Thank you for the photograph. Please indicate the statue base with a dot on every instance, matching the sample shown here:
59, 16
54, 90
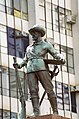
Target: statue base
51, 116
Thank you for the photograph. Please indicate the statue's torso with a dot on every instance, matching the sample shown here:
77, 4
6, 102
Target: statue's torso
35, 54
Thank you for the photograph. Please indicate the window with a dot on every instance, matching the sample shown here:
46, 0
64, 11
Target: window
5, 81
13, 84
66, 97
63, 96
0, 114
9, 7
17, 42
13, 115
68, 54
70, 60
73, 102
17, 5
6, 114
59, 95
11, 44
2, 8
2, 2
21, 44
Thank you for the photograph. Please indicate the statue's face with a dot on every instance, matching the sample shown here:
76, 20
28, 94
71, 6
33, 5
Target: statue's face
36, 35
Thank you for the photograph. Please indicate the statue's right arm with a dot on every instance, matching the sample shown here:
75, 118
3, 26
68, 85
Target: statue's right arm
24, 63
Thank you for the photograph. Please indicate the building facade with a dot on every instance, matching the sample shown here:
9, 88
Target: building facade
61, 20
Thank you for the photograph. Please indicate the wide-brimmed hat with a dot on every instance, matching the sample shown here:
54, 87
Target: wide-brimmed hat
37, 28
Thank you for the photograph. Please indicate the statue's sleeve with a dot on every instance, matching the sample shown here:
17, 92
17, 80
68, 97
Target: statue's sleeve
54, 52
24, 62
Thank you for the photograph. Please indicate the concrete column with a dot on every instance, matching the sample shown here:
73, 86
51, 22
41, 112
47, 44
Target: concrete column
75, 11
33, 13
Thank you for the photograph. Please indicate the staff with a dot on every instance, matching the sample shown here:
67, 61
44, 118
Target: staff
22, 97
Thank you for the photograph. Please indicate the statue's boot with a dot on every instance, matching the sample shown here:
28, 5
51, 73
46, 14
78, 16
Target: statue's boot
35, 103
53, 102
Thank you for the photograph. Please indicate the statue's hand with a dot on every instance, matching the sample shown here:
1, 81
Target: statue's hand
61, 57
15, 65
63, 61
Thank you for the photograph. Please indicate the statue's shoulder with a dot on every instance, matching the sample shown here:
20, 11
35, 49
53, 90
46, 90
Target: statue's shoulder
47, 43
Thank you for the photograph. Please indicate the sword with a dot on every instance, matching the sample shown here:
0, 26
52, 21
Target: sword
53, 73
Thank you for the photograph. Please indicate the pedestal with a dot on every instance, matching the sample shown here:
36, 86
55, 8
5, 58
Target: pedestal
48, 117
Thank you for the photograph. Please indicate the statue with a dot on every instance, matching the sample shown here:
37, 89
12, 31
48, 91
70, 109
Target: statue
37, 69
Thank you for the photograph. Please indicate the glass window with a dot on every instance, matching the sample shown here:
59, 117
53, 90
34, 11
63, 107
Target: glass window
42, 13
2, 8
66, 97
56, 37
63, 39
59, 95
17, 23
4, 59
68, 4
69, 26
54, 7
49, 25
9, 3
48, 15
3, 38
21, 44
12, 80
2, 28
69, 32
1, 114
10, 21
24, 6
62, 20
17, 4
70, 60
2, 2
5, 81
49, 33
73, 102
55, 18
68, 12
13, 115
11, 41
6, 115
4, 50
62, 30
9, 8
2, 18
55, 28
13, 84
61, 3
55, 2
24, 26
41, 2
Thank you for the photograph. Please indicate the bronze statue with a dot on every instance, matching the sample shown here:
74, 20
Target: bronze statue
37, 69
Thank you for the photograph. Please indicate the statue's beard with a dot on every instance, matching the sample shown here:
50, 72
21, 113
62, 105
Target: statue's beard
35, 38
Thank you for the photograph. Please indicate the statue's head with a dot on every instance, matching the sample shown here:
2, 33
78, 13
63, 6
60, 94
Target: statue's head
37, 28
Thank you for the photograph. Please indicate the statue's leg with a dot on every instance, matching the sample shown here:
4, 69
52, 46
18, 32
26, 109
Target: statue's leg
33, 87
53, 102
45, 79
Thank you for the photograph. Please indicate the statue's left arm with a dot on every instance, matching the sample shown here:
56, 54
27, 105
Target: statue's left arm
54, 53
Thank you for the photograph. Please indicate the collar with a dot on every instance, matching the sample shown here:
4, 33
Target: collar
36, 43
